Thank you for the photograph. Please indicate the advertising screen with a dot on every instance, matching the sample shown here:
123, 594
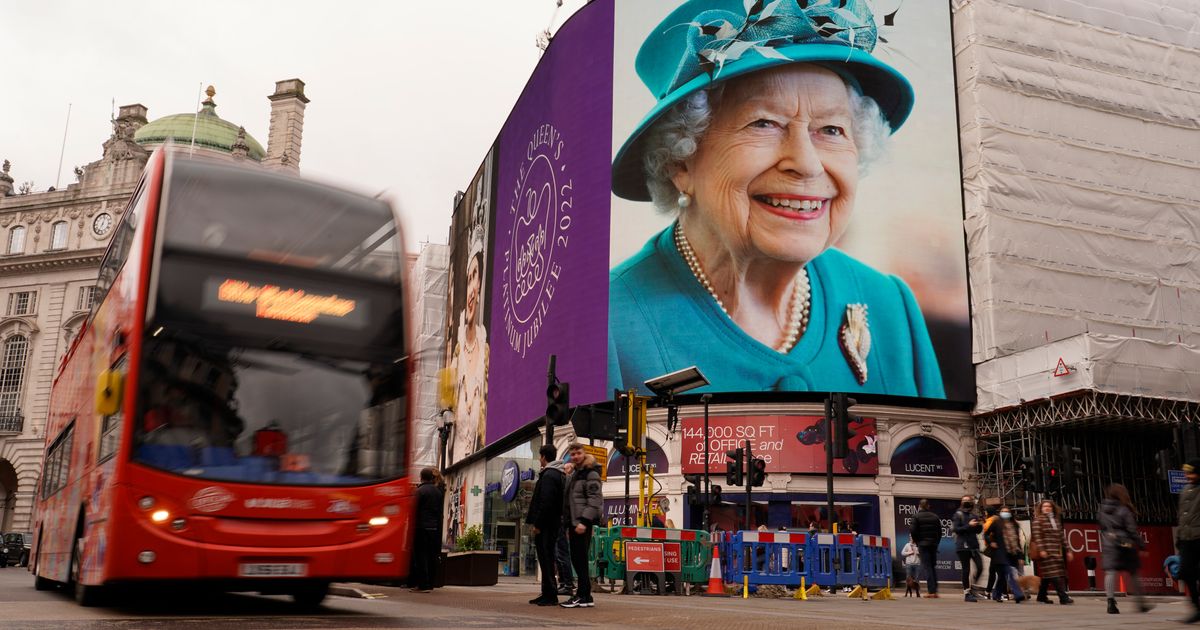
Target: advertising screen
767, 189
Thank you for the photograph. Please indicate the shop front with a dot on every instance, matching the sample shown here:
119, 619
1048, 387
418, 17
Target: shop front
509, 480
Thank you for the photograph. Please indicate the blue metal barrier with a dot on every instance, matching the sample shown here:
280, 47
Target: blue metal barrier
874, 555
768, 558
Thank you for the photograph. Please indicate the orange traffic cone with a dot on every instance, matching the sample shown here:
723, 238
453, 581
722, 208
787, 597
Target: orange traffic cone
716, 585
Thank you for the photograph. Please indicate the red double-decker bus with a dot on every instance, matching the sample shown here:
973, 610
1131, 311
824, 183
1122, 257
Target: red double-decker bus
234, 413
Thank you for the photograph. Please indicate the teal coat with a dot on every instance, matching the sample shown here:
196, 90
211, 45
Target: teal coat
661, 320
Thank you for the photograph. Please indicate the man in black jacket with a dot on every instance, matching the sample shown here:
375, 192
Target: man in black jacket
545, 516
967, 527
428, 543
926, 532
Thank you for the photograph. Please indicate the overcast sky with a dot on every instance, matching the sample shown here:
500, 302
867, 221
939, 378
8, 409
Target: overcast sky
405, 96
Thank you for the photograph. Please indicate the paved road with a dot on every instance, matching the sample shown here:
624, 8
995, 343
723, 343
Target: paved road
504, 606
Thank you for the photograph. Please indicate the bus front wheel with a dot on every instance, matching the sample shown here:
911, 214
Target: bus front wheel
84, 595
309, 597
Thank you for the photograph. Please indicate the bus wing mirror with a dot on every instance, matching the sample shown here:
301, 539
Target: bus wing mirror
108, 392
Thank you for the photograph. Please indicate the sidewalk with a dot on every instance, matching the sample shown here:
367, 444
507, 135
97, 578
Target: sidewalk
948, 613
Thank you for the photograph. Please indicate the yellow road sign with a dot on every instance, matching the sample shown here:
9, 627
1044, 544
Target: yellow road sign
601, 455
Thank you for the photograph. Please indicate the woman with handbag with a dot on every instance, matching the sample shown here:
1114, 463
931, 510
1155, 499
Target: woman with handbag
1120, 543
1047, 548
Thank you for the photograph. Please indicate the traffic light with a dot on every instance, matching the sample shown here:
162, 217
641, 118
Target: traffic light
1072, 466
758, 472
841, 433
693, 490
1053, 480
734, 465
1031, 473
558, 402
1163, 462
714, 498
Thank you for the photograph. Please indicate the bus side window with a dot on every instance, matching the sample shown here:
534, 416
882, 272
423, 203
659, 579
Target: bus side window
118, 249
58, 462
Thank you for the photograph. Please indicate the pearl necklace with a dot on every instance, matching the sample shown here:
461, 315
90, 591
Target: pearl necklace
798, 309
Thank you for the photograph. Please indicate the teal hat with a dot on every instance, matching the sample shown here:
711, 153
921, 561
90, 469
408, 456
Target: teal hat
705, 42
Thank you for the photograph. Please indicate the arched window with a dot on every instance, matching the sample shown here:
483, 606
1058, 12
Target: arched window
12, 377
16, 240
58, 235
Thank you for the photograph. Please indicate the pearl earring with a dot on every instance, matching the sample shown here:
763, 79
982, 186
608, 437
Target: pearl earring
684, 200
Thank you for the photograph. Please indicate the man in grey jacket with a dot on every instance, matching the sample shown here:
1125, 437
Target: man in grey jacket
1187, 537
585, 505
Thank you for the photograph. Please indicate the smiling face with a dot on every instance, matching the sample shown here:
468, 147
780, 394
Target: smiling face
774, 176
473, 284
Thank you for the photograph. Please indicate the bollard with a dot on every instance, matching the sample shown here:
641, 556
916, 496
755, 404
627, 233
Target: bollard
801, 593
745, 587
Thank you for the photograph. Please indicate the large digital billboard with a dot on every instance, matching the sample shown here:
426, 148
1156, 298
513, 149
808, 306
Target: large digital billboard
767, 189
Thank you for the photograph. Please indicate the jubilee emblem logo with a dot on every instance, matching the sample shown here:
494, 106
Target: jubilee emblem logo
538, 237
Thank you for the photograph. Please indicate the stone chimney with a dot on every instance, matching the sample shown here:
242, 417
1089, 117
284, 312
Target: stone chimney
287, 124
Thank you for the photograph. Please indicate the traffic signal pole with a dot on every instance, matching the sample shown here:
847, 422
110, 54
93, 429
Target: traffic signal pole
749, 459
707, 485
551, 380
829, 421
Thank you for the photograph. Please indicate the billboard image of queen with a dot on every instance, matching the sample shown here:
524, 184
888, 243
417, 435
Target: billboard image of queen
766, 118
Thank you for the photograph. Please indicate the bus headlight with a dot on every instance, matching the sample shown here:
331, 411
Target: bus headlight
146, 503
160, 515
378, 521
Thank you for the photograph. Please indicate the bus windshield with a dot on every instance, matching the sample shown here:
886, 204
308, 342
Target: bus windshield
270, 415
244, 213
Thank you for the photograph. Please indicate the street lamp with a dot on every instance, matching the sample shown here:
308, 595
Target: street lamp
445, 424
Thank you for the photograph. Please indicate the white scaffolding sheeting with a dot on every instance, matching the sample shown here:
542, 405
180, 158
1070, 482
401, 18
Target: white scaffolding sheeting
1080, 123
429, 278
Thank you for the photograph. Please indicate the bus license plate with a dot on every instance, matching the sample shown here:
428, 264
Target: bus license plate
278, 569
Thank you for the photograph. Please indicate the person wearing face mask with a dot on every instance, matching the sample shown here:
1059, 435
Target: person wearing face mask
1004, 539
967, 528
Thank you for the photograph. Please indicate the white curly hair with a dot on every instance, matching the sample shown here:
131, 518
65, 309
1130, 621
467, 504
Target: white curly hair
675, 136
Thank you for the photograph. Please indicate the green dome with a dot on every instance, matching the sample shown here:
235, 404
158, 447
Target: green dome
212, 132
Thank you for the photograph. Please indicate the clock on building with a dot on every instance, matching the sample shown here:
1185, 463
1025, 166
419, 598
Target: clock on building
102, 223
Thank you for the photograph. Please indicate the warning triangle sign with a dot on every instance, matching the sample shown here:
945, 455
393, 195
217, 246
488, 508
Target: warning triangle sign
1061, 369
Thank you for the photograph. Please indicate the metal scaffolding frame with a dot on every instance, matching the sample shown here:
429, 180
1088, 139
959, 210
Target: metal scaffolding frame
1118, 436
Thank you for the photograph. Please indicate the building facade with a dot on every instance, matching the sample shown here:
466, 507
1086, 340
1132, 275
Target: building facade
50, 252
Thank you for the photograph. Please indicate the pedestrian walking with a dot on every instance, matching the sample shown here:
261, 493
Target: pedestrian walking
967, 528
1120, 543
912, 569
926, 531
585, 507
545, 515
428, 543
1048, 549
1005, 550
1187, 537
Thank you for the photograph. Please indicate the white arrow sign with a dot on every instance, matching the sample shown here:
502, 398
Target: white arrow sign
641, 560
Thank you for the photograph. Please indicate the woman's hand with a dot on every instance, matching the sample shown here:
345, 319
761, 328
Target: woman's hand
580, 528
1044, 554
1070, 556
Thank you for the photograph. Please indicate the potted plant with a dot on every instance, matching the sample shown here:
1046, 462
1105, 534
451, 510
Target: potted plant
470, 564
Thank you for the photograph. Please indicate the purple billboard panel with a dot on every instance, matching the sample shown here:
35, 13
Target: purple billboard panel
551, 229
